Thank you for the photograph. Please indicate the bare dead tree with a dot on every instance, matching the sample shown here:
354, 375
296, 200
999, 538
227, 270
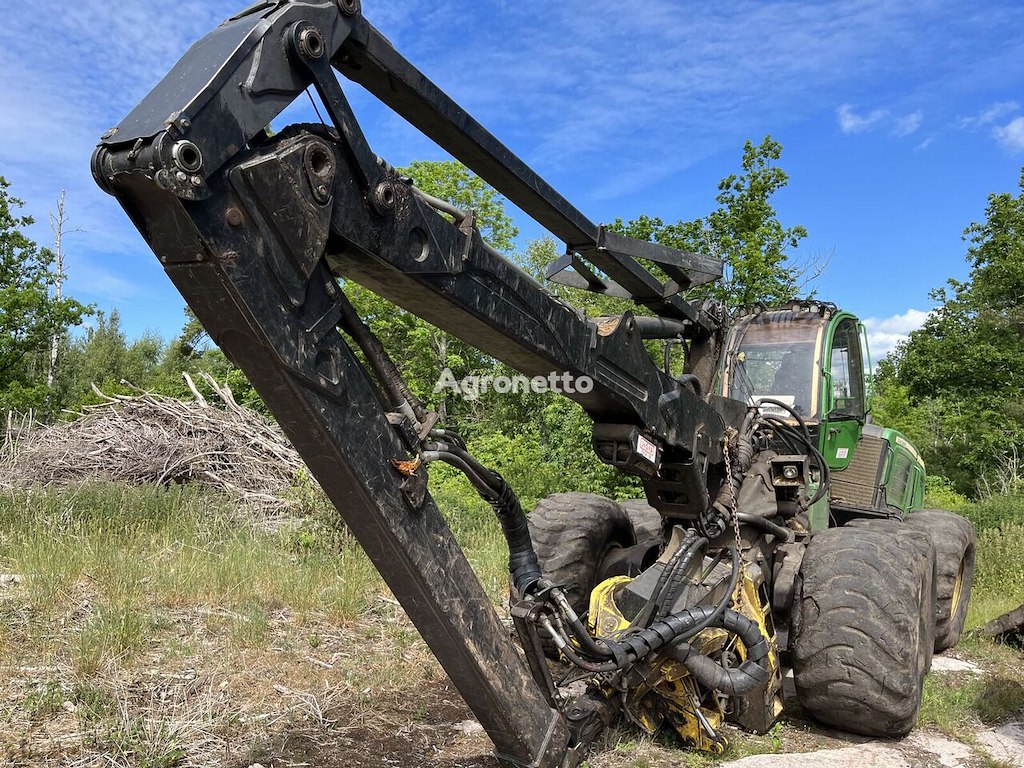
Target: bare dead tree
58, 222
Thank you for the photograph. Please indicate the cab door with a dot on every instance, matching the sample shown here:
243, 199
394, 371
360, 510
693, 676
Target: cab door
843, 399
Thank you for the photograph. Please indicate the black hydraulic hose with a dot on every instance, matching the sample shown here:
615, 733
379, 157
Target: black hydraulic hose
588, 644
523, 566
734, 577
732, 681
380, 361
826, 474
680, 572
766, 525
691, 380
480, 484
646, 613
792, 412
452, 437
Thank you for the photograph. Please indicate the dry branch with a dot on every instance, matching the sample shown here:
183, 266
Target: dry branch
147, 438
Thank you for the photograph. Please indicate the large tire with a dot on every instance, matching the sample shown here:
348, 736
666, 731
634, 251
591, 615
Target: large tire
863, 628
646, 521
572, 532
954, 541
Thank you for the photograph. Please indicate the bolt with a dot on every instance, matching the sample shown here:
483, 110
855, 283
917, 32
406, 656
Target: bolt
321, 190
311, 43
234, 217
181, 176
383, 197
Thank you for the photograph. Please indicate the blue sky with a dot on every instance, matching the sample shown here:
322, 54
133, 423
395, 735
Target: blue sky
897, 120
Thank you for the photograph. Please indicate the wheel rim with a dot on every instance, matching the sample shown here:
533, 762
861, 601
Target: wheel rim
958, 589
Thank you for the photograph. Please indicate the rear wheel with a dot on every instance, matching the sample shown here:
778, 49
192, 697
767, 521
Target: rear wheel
646, 521
863, 628
954, 541
572, 533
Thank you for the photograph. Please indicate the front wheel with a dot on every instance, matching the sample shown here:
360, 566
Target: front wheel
863, 628
572, 533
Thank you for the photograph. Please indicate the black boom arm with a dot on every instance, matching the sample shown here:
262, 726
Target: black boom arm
255, 231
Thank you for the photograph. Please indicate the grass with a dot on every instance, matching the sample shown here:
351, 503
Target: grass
150, 626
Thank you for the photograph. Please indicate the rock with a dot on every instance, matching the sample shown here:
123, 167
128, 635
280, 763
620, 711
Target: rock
871, 755
1005, 743
468, 727
951, 664
949, 753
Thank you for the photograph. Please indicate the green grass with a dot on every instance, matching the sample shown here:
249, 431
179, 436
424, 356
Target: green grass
116, 579
955, 705
113, 560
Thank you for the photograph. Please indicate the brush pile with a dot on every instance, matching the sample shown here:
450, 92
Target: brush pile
149, 438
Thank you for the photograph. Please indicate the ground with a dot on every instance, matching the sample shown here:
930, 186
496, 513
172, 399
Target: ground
160, 629
210, 690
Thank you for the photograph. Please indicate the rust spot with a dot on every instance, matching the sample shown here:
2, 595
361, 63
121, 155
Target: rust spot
607, 325
407, 468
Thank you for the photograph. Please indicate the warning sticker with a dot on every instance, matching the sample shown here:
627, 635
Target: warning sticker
647, 449
842, 453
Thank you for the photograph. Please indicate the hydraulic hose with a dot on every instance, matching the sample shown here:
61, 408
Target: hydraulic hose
732, 681
734, 577
523, 566
668, 599
766, 525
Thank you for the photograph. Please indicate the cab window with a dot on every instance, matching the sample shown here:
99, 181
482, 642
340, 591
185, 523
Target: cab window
847, 372
773, 357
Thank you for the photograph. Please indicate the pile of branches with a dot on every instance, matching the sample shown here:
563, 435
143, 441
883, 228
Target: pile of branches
147, 438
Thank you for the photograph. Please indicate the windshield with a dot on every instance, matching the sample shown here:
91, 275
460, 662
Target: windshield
775, 357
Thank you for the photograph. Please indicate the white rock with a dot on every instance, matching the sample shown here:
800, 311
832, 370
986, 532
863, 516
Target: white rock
1005, 743
860, 756
468, 727
951, 754
950, 664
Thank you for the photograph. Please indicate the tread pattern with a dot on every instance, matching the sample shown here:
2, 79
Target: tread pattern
864, 627
571, 532
954, 540
646, 520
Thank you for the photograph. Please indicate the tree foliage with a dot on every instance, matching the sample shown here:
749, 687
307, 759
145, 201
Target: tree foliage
744, 232
30, 316
963, 371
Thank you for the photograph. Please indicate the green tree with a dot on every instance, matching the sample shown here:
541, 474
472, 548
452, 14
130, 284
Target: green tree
965, 366
744, 232
30, 316
103, 357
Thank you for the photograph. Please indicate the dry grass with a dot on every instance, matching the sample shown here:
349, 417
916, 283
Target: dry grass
164, 627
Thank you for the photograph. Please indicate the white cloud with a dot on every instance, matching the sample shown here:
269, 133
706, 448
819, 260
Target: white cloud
851, 122
884, 333
924, 144
988, 115
906, 125
1011, 135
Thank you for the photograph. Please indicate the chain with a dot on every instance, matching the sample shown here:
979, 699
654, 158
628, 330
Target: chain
732, 507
